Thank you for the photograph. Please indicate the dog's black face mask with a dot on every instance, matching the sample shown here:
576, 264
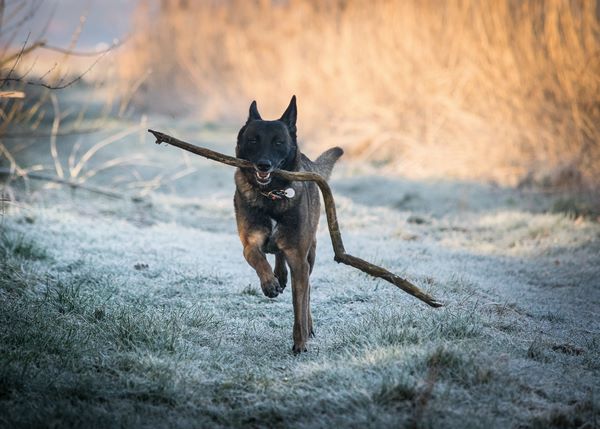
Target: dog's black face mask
268, 144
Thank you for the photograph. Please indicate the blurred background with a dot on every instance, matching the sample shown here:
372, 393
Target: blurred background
506, 92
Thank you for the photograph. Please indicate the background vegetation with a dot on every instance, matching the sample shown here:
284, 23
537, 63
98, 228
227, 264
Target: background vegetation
505, 90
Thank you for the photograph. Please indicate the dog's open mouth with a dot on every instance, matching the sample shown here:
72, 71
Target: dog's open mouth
263, 178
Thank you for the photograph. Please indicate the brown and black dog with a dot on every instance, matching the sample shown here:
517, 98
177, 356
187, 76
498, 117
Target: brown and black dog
278, 216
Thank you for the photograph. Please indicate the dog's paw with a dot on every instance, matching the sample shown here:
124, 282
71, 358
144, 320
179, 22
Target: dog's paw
299, 348
282, 279
282, 276
271, 288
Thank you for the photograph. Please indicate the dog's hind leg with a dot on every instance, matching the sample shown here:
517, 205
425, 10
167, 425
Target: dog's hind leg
312, 252
281, 271
300, 294
311, 328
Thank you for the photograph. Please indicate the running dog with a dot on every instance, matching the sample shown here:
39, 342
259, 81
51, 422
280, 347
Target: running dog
277, 216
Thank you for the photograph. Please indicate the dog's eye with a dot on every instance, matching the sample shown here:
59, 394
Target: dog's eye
278, 142
252, 140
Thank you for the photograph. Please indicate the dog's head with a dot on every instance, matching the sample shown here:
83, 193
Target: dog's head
268, 144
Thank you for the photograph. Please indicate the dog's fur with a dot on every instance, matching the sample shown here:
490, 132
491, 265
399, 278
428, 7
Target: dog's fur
285, 227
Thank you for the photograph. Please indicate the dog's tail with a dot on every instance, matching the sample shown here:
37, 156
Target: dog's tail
325, 162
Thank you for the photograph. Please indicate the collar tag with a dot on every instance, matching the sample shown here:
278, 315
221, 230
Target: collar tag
279, 194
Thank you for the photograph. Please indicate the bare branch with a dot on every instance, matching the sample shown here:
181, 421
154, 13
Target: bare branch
43, 45
330, 211
60, 85
62, 181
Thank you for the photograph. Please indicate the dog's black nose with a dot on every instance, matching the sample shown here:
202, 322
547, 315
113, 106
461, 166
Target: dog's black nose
264, 165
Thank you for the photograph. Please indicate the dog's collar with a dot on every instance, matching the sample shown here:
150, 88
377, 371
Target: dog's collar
280, 194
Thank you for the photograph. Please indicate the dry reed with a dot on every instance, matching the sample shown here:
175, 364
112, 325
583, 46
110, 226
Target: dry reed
506, 90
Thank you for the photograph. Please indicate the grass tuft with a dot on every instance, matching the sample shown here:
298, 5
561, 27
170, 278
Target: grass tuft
251, 291
17, 245
574, 207
537, 350
579, 415
455, 365
394, 393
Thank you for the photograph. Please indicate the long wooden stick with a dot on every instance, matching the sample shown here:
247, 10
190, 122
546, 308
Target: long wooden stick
332, 222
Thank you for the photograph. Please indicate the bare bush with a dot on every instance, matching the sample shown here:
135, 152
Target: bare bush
32, 112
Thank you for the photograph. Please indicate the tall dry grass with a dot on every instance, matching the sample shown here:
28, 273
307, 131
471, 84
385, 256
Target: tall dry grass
503, 90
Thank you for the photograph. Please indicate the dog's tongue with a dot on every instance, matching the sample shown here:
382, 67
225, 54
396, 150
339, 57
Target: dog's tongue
263, 175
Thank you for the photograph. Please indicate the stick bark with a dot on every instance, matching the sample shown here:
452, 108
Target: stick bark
334, 229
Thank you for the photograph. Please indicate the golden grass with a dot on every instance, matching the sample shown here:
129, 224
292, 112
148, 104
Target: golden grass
503, 90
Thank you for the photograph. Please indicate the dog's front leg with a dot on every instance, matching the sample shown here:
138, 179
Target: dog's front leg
253, 252
300, 269
254, 230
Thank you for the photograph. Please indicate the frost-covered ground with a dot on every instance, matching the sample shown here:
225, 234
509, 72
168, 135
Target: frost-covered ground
145, 314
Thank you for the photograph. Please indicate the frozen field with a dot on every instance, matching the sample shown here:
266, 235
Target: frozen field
145, 314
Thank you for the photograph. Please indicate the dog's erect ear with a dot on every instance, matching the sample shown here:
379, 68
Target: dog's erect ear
254, 115
290, 114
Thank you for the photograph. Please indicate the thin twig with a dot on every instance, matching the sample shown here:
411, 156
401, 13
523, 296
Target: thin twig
330, 211
24, 51
17, 59
71, 183
101, 144
55, 126
112, 47
27, 17
35, 135
50, 70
